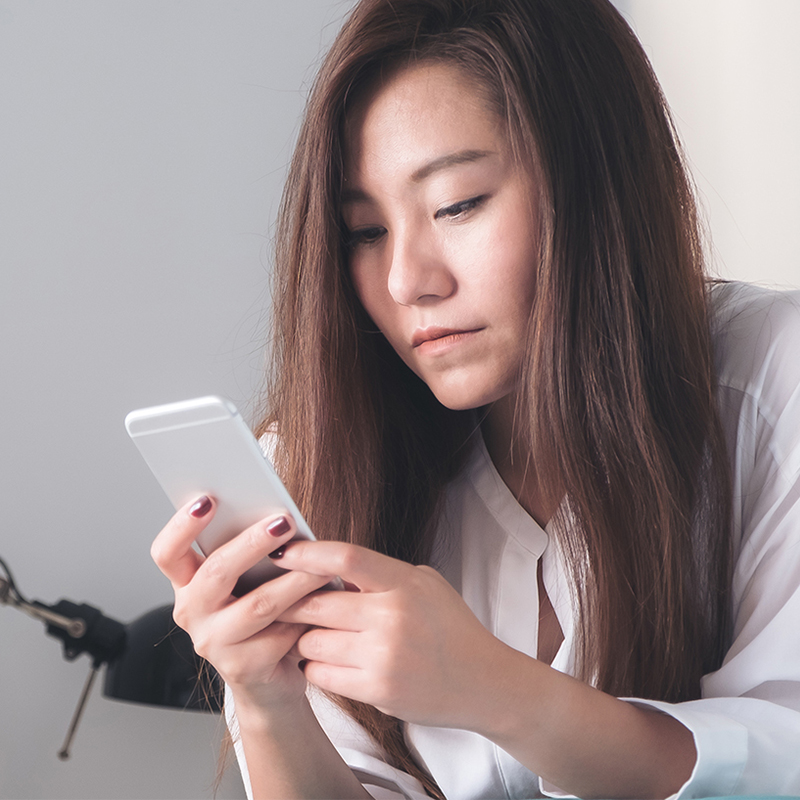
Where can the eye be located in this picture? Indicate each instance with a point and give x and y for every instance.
(363, 236)
(460, 209)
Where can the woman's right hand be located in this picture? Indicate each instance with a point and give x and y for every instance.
(237, 635)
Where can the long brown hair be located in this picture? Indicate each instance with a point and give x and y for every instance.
(617, 396)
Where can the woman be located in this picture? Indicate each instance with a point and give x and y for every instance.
(505, 395)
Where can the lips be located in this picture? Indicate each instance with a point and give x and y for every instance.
(422, 335)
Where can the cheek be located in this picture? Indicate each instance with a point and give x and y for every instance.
(503, 270)
(501, 255)
(362, 286)
(519, 259)
(372, 292)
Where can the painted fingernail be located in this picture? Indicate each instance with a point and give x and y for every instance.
(301, 665)
(201, 507)
(278, 553)
(279, 527)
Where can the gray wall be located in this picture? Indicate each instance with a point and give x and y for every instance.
(142, 147)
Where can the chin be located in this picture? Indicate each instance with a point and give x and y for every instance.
(463, 398)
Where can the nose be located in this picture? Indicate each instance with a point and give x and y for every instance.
(419, 272)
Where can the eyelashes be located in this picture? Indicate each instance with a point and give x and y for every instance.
(460, 209)
(372, 234)
(362, 236)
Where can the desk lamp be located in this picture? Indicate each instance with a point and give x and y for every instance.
(149, 661)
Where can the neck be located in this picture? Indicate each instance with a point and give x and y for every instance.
(513, 458)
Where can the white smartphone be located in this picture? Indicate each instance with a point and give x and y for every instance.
(204, 447)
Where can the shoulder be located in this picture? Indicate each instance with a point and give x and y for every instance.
(756, 336)
(756, 339)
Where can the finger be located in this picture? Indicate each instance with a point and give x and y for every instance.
(255, 660)
(339, 648)
(219, 573)
(366, 569)
(345, 681)
(172, 548)
(255, 611)
(344, 611)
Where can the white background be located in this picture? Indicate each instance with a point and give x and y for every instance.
(731, 72)
(142, 149)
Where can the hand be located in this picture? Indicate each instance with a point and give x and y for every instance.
(405, 642)
(239, 636)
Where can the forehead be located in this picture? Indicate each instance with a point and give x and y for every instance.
(417, 114)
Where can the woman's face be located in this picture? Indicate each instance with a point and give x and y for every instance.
(440, 227)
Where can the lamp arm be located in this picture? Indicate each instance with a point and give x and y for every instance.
(75, 627)
(81, 628)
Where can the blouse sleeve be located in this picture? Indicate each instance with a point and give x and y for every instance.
(746, 727)
(354, 745)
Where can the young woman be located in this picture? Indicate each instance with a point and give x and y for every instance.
(553, 467)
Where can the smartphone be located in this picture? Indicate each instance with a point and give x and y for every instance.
(204, 447)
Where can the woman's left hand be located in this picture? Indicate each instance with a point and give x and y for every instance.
(404, 642)
(409, 645)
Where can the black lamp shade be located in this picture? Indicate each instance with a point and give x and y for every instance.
(159, 667)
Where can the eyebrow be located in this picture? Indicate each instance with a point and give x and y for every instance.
(449, 160)
(425, 171)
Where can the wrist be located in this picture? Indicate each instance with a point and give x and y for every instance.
(288, 754)
(514, 699)
(254, 713)
(584, 741)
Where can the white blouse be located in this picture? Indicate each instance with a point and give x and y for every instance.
(746, 727)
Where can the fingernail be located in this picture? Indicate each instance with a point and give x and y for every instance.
(301, 665)
(201, 507)
(279, 527)
(279, 552)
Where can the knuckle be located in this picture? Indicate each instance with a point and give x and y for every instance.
(424, 570)
(158, 553)
(348, 560)
(419, 578)
(215, 567)
(386, 657)
(312, 606)
(257, 538)
(231, 669)
(263, 605)
(181, 616)
(390, 619)
(202, 646)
